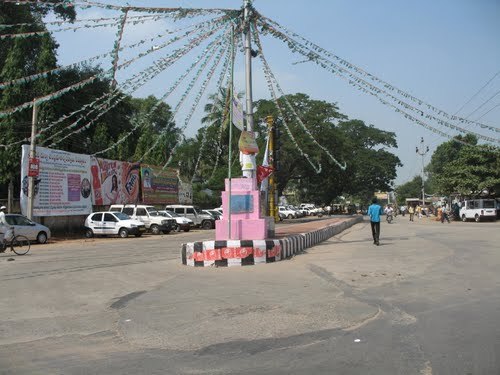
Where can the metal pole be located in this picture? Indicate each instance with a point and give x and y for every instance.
(32, 155)
(230, 93)
(422, 152)
(272, 202)
(248, 75)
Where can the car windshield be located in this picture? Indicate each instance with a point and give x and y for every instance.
(153, 212)
(172, 214)
(121, 215)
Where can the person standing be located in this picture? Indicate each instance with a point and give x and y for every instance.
(3, 228)
(444, 215)
(411, 211)
(374, 211)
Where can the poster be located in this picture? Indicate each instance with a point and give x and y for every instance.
(62, 187)
(159, 186)
(114, 182)
(185, 193)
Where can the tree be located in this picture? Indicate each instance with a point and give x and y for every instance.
(411, 189)
(474, 169)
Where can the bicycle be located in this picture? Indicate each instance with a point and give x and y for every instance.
(19, 244)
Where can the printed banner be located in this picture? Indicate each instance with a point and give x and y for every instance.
(159, 186)
(185, 193)
(62, 187)
(237, 113)
(114, 182)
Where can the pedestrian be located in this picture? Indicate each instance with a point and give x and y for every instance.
(444, 215)
(374, 211)
(418, 210)
(411, 211)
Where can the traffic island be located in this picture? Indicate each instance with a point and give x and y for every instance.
(288, 242)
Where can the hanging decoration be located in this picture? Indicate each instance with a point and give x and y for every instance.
(342, 71)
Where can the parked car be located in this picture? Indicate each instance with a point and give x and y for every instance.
(22, 225)
(182, 223)
(215, 214)
(194, 213)
(149, 215)
(478, 209)
(286, 213)
(112, 223)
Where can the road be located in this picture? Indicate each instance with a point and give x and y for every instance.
(427, 301)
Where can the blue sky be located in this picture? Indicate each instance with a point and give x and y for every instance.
(441, 51)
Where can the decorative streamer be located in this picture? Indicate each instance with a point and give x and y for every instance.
(360, 71)
(364, 85)
(81, 63)
(116, 48)
(121, 140)
(266, 65)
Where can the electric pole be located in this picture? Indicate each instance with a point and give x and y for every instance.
(422, 151)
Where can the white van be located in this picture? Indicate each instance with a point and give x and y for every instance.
(194, 213)
(478, 209)
(149, 215)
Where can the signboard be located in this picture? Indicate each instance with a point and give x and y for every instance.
(185, 193)
(241, 204)
(34, 167)
(237, 113)
(62, 187)
(159, 186)
(114, 182)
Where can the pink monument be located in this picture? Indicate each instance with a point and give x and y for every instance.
(247, 220)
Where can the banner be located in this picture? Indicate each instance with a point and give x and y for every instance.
(114, 182)
(185, 193)
(237, 108)
(62, 187)
(159, 186)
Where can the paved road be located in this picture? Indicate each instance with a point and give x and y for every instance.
(426, 301)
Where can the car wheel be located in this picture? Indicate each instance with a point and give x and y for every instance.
(41, 238)
(290, 216)
(477, 218)
(464, 219)
(123, 232)
(206, 225)
(89, 233)
(155, 229)
(187, 229)
(178, 228)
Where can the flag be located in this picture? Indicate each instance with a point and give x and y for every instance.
(237, 109)
(264, 170)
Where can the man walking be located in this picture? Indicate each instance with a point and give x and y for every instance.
(411, 211)
(444, 215)
(374, 211)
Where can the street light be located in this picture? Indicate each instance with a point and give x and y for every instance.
(422, 152)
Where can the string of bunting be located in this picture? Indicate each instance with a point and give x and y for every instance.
(290, 107)
(198, 98)
(363, 84)
(267, 22)
(187, 92)
(132, 19)
(82, 63)
(223, 73)
(85, 82)
(116, 47)
(156, 68)
(171, 89)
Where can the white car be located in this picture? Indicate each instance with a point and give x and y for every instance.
(286, 213)
(183, 223)
(478, 209)
(26, 227)
(112, 223)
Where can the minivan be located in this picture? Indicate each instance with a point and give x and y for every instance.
(194, 213)
(478, 209)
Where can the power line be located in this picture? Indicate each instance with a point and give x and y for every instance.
(481, 89)
(481, 106)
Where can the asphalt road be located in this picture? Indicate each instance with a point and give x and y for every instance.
(427, 301)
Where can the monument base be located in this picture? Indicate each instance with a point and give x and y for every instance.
(245, 229)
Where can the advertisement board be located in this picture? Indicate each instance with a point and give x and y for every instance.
(159, 186)
(62, 187)
(114, 182)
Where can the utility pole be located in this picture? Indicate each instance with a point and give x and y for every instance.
(422, 151)
(32, 156)
(248, 77)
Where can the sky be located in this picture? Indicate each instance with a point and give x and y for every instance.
(441, 51)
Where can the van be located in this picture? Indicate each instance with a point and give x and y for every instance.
(478, 209)
(154, 222)
(194, 213)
